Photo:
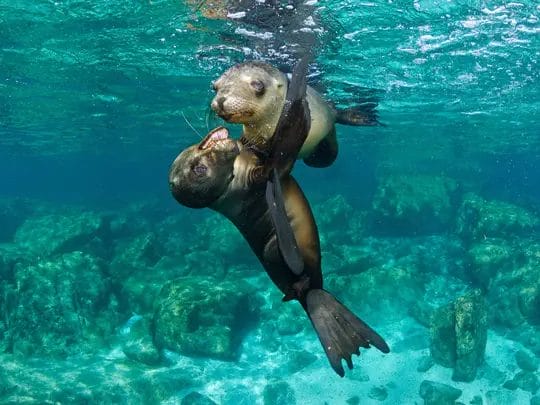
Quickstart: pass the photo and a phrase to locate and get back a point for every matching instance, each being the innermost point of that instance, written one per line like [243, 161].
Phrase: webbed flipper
[341, 333]
[291, 132]
[284, 232]
[294, 123]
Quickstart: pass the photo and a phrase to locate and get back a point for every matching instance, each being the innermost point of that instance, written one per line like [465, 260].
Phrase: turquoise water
[429, 223]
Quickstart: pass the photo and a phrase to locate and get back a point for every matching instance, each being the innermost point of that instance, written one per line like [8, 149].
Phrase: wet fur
[233, 171]
[236, 102]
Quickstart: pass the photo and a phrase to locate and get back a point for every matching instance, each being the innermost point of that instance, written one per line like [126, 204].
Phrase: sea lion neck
[260, 132]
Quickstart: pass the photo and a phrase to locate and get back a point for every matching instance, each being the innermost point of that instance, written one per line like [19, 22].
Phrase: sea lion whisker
[191, 126]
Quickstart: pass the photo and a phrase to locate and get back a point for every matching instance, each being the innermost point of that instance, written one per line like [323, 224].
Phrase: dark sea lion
[253, 94]
[230, 178]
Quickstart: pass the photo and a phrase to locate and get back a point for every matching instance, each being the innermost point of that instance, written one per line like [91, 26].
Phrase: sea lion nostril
[220, 102]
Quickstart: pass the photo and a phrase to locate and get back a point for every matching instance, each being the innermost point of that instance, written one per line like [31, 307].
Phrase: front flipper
[293, 125]
[284, 232]
[291, 132]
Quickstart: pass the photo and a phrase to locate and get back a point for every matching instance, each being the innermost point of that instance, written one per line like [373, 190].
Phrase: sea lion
[275, 219]
[253, 94]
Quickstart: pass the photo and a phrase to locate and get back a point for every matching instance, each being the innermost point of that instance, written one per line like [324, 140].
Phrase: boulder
[514, 295]
[527, 361]
[478, 219]
[278, 393]
[195, 398]
[413, 204]
[490, 257]
[66, 303]
[434, 393]
[526, 380]
[196, 316]
[137, 343]
[53, 234]
[459, 335]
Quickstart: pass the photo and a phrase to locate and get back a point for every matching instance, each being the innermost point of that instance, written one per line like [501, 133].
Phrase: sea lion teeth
[214, 137]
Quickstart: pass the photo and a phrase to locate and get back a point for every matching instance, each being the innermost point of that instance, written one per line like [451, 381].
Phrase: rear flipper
[362, 115]
[341, 333]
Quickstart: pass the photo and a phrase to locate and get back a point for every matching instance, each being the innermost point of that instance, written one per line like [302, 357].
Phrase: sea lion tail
[340, 331]
[362, 115]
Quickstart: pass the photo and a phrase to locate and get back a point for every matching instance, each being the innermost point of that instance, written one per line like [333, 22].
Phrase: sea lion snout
[217, 104]
[202, 172]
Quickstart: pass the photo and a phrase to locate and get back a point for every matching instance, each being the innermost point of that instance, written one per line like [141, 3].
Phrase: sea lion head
[250, 93]
[202, 172]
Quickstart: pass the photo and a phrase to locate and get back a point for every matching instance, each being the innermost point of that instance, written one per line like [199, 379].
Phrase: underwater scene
[157, 246]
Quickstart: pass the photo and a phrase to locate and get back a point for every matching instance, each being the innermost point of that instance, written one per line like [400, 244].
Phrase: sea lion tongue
[214, 136]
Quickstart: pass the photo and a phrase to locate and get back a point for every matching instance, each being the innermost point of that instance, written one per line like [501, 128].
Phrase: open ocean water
[111, 292]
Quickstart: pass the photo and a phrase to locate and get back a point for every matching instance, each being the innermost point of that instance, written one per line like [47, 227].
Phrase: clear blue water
[96, 100]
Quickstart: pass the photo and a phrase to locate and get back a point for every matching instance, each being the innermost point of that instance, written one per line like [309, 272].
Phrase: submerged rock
[525, 380]
[489, 258]
[52, 234]
[379, 289]
[196, 316]
[278, 393]
[498, 397]
[378, 393]
[338, 222]
[413, 204]
[138, 345]
[514, 295]
[459, 335]
[194, 398]
[425, 364]
[161, 384]
[299, 359]
[527, 361]
[443, 336]
[478, 219]
[135, 254]
[66, 303]
[434, 393]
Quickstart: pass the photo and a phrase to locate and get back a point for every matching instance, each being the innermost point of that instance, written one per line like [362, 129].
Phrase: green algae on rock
[514, 294]
[66, 302]
[478, 219]
[490, 257]
[389, 290]
[413, 204]
[459, 335]
[196, 316]
[55, 233]
[138, 345]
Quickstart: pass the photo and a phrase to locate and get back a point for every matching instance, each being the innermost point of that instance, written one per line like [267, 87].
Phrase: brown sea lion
[253, 94]
[275, 219]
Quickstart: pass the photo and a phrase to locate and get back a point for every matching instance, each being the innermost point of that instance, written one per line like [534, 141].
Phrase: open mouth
[214, 137]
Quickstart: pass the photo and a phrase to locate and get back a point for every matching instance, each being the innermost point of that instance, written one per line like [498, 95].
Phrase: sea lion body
[224, 175]
[257, 193]
[240, 196]
[253, 94]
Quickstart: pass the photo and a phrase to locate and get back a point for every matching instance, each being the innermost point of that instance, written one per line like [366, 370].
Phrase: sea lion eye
[258, 86]
[199, 169]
